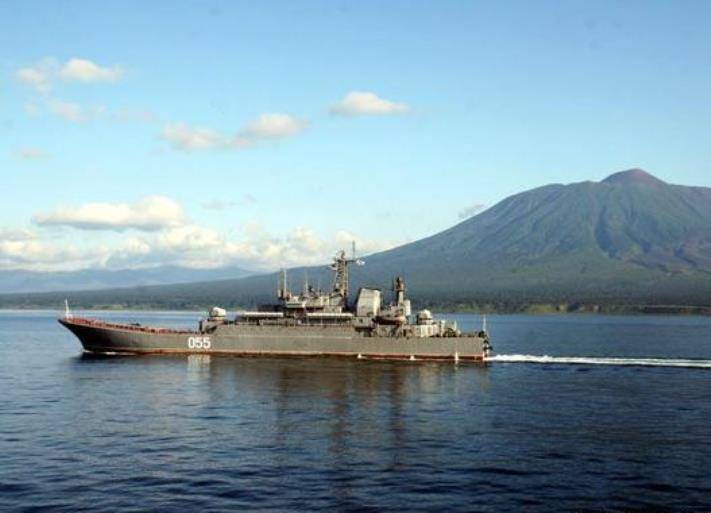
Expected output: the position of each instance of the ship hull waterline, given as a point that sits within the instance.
(278, 341)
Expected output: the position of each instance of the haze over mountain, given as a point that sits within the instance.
(92, 279)
(630, 238)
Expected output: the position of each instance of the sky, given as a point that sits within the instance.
(269, 134)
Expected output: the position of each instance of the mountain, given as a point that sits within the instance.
(90, 279)
(629, 239)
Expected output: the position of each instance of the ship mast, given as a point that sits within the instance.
(283, 288)
(340, 280)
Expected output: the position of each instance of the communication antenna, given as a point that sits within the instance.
(67, 314)
(483, 323)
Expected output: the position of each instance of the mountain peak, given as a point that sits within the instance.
(632, 176)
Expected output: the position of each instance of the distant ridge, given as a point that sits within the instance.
(629, 239)
(19, 281)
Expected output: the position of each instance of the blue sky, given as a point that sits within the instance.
(269, 133)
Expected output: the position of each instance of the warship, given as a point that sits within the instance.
(313, 323)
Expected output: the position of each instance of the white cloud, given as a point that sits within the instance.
(471, 211)
(182, 137)
(274, 126)
(16, 234)
(13, 252)
(77, 113)
(364, 103)
(39, 76)
(84, 70)
(260, 250)
(21, 248)
(196, 246)
(189, 238)
(69, 111)
(304, 241)
(220, 205)
(39, 255)
(32, 154)
(42, 75)
(344, 239)
(188, 245)
(34, 77)
(151, 213)
(267, 126)
(163, 236)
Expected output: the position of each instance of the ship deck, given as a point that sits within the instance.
(96, 323)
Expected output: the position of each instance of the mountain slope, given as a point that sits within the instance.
(630, 235)
(648, 223)
(629, 239)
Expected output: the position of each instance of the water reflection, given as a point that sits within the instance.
(338, 419)
(342, 401)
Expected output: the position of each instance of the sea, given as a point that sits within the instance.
(584, 413)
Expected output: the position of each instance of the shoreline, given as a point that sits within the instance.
(488, 309)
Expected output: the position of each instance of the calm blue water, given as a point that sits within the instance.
(158, 433)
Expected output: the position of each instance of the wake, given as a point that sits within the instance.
(585, 360)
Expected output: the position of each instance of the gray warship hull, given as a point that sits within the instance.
(230, 339)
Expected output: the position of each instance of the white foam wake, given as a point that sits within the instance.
(586, 360)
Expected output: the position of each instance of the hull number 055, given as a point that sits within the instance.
(199, 343)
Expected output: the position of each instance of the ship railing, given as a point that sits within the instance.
(290, 322)
(127, 327)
